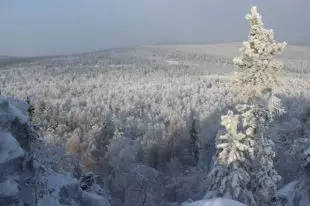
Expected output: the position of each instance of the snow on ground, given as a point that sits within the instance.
(215, 202)
(296, 192)
(14, 108)
(172, 62)
(288, 189)
(9, 148)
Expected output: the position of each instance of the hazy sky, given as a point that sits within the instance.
(43, 27)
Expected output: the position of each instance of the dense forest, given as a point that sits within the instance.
(169, 124)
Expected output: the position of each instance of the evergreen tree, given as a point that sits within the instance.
(31, 109)
(256, 66)
(194, 138)
(230, 175)
(243, 166)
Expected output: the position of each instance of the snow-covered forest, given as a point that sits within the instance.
(170, 124)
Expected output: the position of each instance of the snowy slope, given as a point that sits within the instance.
(11, 107)
(29, 175)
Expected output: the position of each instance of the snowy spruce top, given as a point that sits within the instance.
(256, 68)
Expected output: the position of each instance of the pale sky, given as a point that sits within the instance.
(48, 27)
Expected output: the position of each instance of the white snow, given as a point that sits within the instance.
(172, 62)
(7, 108)
(9, 148)
(93, 199)
(215, 202)
(296, 193)
(9, 187)
(55, 181)
(58, 180)
(19, 104)
(288, 189)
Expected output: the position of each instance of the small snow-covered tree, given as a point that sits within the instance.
(275, 107)
(256, 66)
(194, 139)
(243, 166)
(31, 109)
(264, 177)
(230, 175)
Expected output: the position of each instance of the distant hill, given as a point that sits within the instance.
(12, 60)
(296, 50)
(7, 61)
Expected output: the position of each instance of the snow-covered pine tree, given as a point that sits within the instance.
(256, 67)
(230, 175)
(243, 166)
(257, 73)
(264, 177)
(194, 139)
(31, 109)
(275, 107)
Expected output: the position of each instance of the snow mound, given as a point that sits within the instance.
(215, 202)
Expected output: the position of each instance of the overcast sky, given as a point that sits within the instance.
(46, 27)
